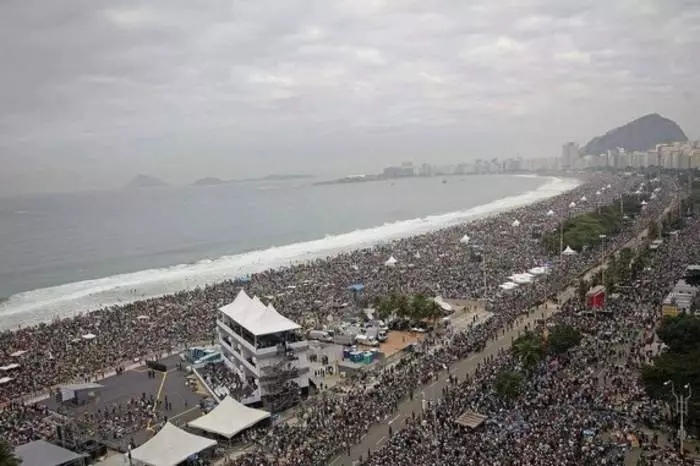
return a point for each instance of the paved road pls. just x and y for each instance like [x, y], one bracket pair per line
[379, 433]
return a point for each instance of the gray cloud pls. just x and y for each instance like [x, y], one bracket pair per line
[94, 92]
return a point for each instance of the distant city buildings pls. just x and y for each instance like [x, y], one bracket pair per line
[569, 155]
[678, 155]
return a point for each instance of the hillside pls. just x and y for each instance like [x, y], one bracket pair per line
[145, 181]
[641, 134]
[208, 181]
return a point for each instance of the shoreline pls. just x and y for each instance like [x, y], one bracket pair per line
[72, 299]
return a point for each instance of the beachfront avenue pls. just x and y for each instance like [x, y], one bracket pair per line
[541, 425]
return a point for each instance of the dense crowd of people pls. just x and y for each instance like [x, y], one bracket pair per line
[339, 419]
[582, 408]
[226, 382]
[435, 264]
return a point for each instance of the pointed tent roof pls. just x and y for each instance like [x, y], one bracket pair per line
[516, 223]
[170, 446]
[568, 251]
[43, 453]
[572, 205]
[584, 198]
[255, 317]
[391, 261]
[465, 239]
[229, 418]
[550, 213]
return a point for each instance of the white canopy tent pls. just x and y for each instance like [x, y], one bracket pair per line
[537, 271]
[445, 306]
[568, 251]
[584, 198]
[170, 446]
[89, 336]
[644, 202]
[508, 285]
[516, 223]
[522, 278]
[465, 239]
[391, 261]
[255, 317]
[572, 205]
[550, 213]
[229, 418]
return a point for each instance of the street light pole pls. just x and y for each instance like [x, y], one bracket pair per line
[602, 258]
[682, 407]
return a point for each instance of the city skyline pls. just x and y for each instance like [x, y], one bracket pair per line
[94, 94]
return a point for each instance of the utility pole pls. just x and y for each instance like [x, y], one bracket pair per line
[682, 407]
[622, 206]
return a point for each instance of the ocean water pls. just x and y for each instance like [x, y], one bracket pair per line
[64, 254]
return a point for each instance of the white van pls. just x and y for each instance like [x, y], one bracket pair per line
[366, 341]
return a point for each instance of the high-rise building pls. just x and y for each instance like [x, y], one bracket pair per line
[569, 155]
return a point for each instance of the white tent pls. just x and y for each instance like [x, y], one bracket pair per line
[417, 255]
[584, 199]
[550, 213]
[597, 193]
[89, 336]
[465, 239]
[572, 205]
[611, 186]
[508, 285]
[170, 446]
[17, 354]
[522, 278]
[568, 251]
[445, 306]
[390, 262]
[254, 316]
[537, 271]
[229, 418]
[515, 223]
[644, 202]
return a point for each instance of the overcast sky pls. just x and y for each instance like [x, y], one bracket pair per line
[94, 92]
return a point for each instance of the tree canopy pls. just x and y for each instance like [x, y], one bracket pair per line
[562, 338]
[508, 384]
[7, 456]
[679, 363]
[418, 307]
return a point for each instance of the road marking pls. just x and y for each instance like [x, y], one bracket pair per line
[394, 419]
[160, 391]
[183, 412]
[381, 440]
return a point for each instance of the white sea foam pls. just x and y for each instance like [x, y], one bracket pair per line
[44, 304]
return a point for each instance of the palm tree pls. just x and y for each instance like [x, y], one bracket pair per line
[7, 456]
[508, 383]
[383, 308]
[419, 307]
[529, 349]
[400, 305]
